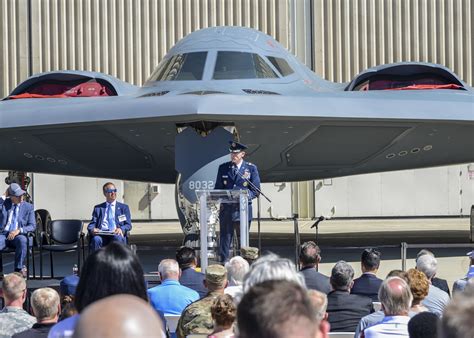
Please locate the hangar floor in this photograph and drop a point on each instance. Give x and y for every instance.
(339, 239)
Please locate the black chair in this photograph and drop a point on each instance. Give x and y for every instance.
(30, 251)
(64, 235)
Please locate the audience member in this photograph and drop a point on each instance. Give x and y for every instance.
(272, 267)
(13, 319)
(436, 300)
(123, 316)
(46, 308)
(345, 309)
(378, 316)
(396, 298)
(460, 284)
(278, 309)
(419, 287)
(320, 303)
(190, 278)
(170, 297)
(458, 316)
(17, 218)
(438, 282)
(310, 256)
(223, 312)
(110, 216)
(112, 270)
(236, 268)
(368, 284)
(67, 291)
(196, 318)
(423, 325)
(249, 253)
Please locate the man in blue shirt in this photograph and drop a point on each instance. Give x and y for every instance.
(238, 175)
(170, 297)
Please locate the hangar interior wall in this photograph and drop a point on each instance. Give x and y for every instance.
(337, 38)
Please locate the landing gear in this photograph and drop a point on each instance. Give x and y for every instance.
(43, 217)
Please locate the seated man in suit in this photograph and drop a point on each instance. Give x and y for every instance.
(186, 258)
(368, 284)
(345, 309)
(17, 218)
(309, 260)
(438, 282)
(110, 220)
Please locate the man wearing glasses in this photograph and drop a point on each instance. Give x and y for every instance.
(110, 220)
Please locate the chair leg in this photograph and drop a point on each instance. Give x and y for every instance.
(41, 262)
(79, 258)
(33, 260)
(1, 264)
(51, 262)
(27, 258)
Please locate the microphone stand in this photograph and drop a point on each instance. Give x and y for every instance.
(316, 224)
(253, 186)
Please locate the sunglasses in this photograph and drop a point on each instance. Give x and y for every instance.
(109, 191)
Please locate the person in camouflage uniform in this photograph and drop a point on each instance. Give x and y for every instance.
(196, 317)
(13, 319)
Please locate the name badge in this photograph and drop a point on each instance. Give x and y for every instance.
(122, 218)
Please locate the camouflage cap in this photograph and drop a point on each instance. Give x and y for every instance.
(249, 252)
(216, 274)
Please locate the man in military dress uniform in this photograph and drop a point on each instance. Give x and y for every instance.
(236, 174)
(196, 317)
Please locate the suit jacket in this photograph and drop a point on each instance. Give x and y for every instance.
(193, 280)
(441, 284)
(120, 209)
(316, 280)
(367, 285)
(345, 310)
(26, 216)
(228, 178)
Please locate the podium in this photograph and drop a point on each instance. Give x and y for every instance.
(209, 206)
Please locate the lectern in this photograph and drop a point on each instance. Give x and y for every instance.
(209, 204)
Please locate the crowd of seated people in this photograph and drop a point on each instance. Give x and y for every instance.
(268, 298)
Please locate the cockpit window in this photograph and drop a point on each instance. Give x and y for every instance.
(281, 65)
(181, 67)
(240, 65)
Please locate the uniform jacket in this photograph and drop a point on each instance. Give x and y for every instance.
(26, 217)
(345, 310)
(196, 318)
(228, 178)
(367, 285)
(120, 209)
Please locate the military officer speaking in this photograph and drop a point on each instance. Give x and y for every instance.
(236, 174)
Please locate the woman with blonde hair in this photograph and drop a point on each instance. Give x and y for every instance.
(419, 286)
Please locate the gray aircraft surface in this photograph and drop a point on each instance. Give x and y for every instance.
(225, 83)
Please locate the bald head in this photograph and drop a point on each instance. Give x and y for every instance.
(129, 316)
(395, 296)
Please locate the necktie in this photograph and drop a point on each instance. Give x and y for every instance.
(13, 224)
(111, 218)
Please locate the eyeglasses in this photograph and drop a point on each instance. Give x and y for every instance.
(109, 191)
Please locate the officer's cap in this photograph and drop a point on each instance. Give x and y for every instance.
(249, 252)
(236, 147)
(216, 274)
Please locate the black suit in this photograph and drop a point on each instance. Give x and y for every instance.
(315, 280)
(193, 280)
(367, 285)
(441, 284)
(345, 310)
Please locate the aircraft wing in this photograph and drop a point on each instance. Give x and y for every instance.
(291, 138)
